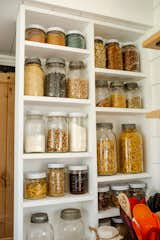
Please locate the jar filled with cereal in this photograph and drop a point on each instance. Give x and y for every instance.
(118, 96)
(116, 190)
(106, 150)
(114, 54)
(134, 96)
(103, 97)
(100, 53)
(131, 149)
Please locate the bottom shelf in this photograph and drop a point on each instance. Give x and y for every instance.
(111, 212)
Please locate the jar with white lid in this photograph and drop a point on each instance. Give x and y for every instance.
(78, 132)
(56, 36)
(36, 33)
(116, 190)
(34, 139)
(104, 198)
(114, 54)
(75, 39)
(138, 191)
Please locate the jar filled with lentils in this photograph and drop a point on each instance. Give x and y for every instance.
(56, 35)
(100, 52)
(75, 39)
(118, 96)
(55, 80)
(103, 97)
(114, 54)
(134, 96)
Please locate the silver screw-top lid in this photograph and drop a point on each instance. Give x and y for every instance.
(55, 61)
(104, 125)
(33, 60)
(129, 126)
(70, 214)
(39, 217)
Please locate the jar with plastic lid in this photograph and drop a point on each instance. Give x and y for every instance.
(39, 227)
(134, 95)
(118, 96)
(118, 223)
(103, 97)
(56, 177)
(131, 149)
(33, 77)
(78, 132)
(114, 54)
(138, 191)
(34, 137)
(106, 149)
(104, 198)
(57, 136)
(131, 57)
(56, 36)
(75, 39)
(100, 53)
(35, 185)
(116, 190)
(36, 33)
(77, 80)
(55, 81)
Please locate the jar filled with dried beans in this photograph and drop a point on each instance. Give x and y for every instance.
(36, 33)
(103, 96)
(114, 54)
(118, 96)
(134, 96)
(104, 198)
(56, 36)
(100, 52)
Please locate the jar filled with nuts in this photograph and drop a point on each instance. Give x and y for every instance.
(116, 190)
(57, 137)
(118, 96)
(114, 54)
(100, 53)
(106, 150)
(134, 98)
(131, 149)
(103, 98)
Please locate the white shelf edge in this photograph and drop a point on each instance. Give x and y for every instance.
(111, 212)
(120, 110)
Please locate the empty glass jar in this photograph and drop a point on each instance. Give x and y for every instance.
(103, 97)
(134, 96)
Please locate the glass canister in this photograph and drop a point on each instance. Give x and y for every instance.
(138, 191)
(100, 53)
(33, 77)
(35, 185)
(116, 190)
(36, 33)
(134, 96)
(131, 58)
(55, 80)
(104, 198)
(118, 96)
(34, 137)
(56, 180)
(106, 149)
(114, 54)
(78, 132)
(77, 82)
(56, 35)
(39, 227)
(118, 223)
(103, 97)
(57, 137)
(75, 39)
(131, 149)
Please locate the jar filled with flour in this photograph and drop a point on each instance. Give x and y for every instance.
(34, 140)
(78, 132)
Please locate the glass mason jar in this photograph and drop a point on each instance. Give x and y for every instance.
(33, 77)
(56, 35)
(106, 149)
(39, 227)
(104, 198)
(78, 132)
(55, 80)
(134, 96)
(100, 53)
(131, 57)
(118, 96)
(131, 149)
(77, 82)
(57, 137)
(138, 191)
(103, 97)
(116, 190)
(34, 137)
(114, 54)
(75, 39)
(35, 33)
(118, 223)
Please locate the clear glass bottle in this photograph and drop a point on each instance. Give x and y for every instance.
(34, 139)
(104, 198)
(114, 54)
(138, 191)
(116, 190)
(118, 96)
(100, 53)
(103, 97)
(134, 95)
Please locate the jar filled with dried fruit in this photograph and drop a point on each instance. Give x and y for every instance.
(77, 82)
(55, 80)
(57, 137)
(133, 92)
(131, 149)
(36, 33)
(116, 190)
(106, 149)
(131, 58)
(35, 185)
(114, 54)
(104, 198)
(103, 96)
(100, 52)
(118, 96)
(56, 35)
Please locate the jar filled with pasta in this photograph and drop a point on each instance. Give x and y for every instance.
(100, 52)
(118, 96)
(133, 92)
(116, 190)
(131, 149)
(103, 97)
(114, 54)
(56, 36)
(106, 149)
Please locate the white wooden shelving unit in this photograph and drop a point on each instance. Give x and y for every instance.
(25, 162)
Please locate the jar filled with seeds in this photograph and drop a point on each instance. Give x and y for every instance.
(57, 136)
(100, 52)
(131, 149)
(106, 150)
(104, 198)
(133, 92)
(36, 33)
(75, 39)
(118, 96)
(77, 80)
(114, 54)
(103, 97)
(56, 36)
(55, 81)
(116, 190)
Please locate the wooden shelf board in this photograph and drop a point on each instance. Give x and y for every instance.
(153, 114)
(153, 41)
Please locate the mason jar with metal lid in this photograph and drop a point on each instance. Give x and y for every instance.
(118, 96)
(36, 33)
(56, 35)
(116, 190)
(75, 39)
(114, 54)
(99, 52)
(103, 96)
(134, 96)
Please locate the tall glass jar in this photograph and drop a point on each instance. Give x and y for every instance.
(114, 55)
(99, 51)
(103, 97)
(57, 136)
(131, 149)
(55, 81)
(104, 198)
(106, 149)
(77, 82)
(78, 132)
(118, 96)
(34, 137)
(134, 96)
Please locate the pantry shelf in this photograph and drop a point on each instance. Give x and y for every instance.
(102, 110)
(111, 212)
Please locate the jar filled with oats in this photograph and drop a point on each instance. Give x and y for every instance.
(100, 52)
(103, 97)
(106, 150)
(133, 92)
(114, 54)
(131, 149)
(118, 96)
(57, 136)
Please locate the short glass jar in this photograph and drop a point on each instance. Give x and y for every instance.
(103, 96)
(138, 191)
(35, 185)
(100, 53)
(75, 39)
(35, 33)
(116, 190)
(78, 179)
(55, 80)
(56, 36)
(34, 137)
(134, 95)
(118, 223)
(104, 198)
(118, 96)
(57, 136)
(33, 77)
(114, 54)
(56, 180)
(78, 132)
